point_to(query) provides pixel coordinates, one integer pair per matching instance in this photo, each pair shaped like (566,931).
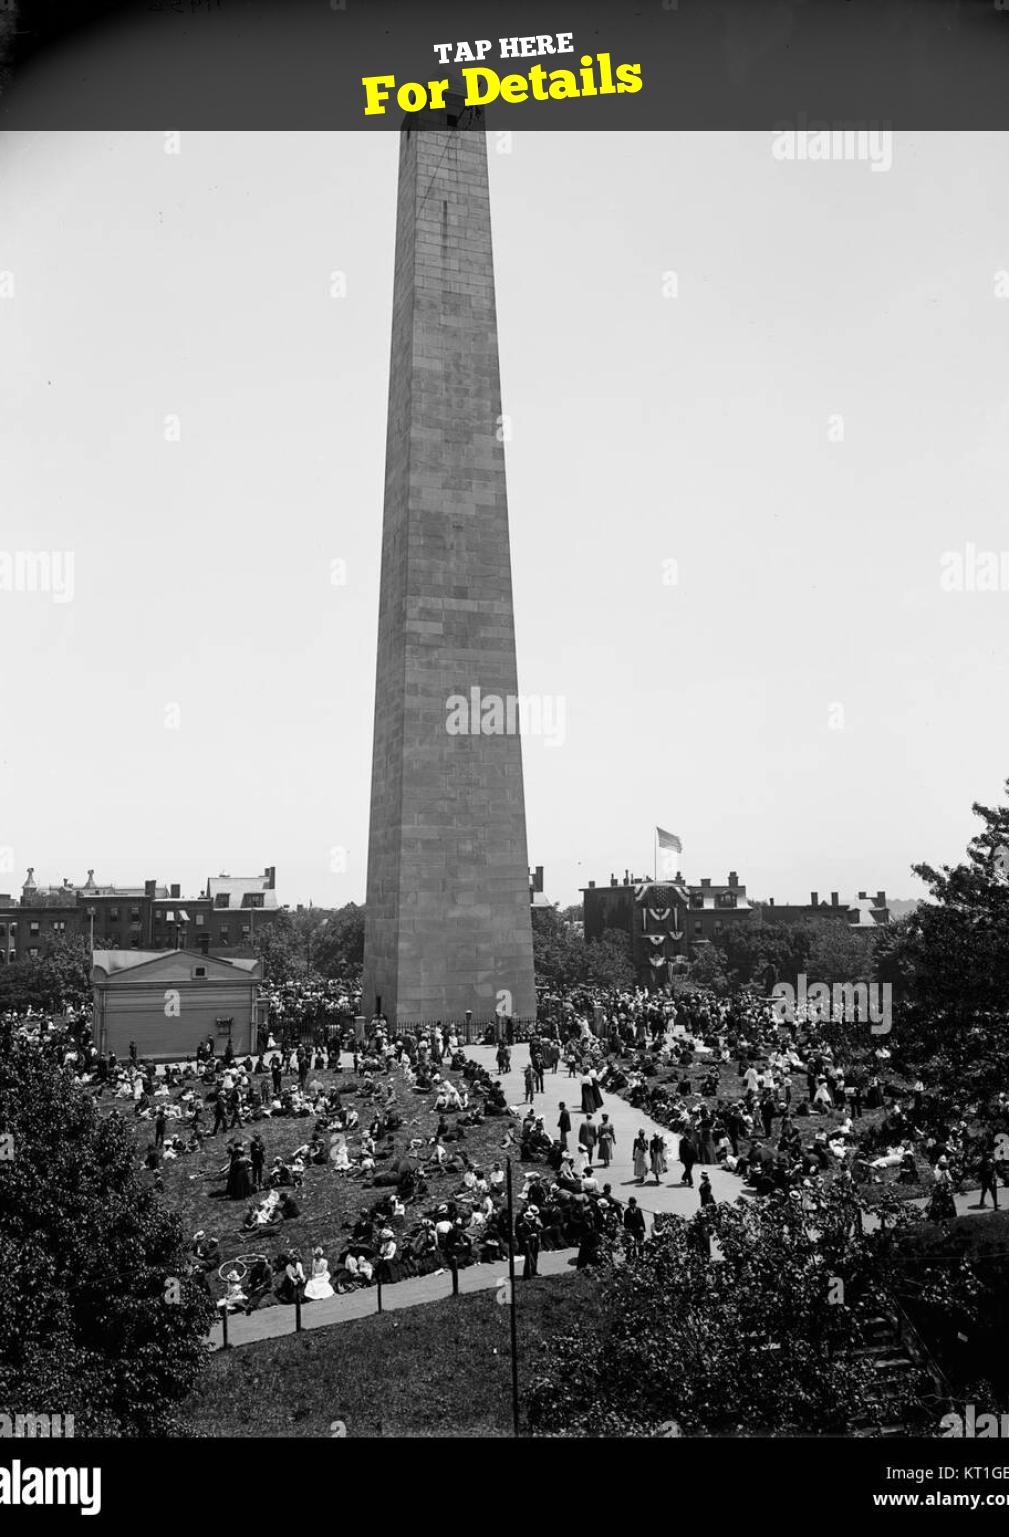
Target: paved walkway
(273,1322)
(669,1196)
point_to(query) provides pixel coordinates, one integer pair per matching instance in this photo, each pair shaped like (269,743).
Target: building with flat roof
(667,920)
(149,917)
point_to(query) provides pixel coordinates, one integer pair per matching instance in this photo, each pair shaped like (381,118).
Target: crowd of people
(800,1110)
(784,1104)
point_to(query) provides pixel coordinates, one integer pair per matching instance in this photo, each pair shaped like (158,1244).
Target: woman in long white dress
(319,1284)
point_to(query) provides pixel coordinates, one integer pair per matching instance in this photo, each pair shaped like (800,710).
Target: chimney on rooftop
(733,878)
(150,889)
(833,899)
(271,877)
(705,880)
(175,893)
(814,899)
(862,896)
(881,899)
(592,885)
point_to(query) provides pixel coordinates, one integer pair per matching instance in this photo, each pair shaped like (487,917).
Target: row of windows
(58,925)
(32,951)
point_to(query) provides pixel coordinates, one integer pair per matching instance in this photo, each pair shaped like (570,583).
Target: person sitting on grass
(234,1298)
(292,1280)
(359,1268)
(259,1283)
(206,1251)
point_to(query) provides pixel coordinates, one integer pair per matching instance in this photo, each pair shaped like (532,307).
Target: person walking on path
(587,1137)
(640,1154)
(688,1157)
(607,1141)
(657,1156)
(634,1227)
(564,1126)
(530,1083)
(986,1172)
(704,1191)
(536,1062)
(592,1099)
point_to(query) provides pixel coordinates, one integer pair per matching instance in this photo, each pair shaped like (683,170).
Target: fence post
(297,1309)
(224,1328)
(379,1296)
(453,1265)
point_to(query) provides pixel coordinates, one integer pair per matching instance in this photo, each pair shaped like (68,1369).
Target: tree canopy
(948,964)
(97,1316)
(762,1339)
(60,975)
(564,958)
(317,941)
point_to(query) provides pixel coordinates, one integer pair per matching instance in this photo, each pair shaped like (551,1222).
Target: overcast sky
(806,704)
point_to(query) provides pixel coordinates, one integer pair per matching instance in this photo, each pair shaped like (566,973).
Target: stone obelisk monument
(448,922)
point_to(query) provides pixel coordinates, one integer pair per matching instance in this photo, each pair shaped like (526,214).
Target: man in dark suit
(527,1230)
(634,1226)
(257,1157)
(688,1157)
(564,1126)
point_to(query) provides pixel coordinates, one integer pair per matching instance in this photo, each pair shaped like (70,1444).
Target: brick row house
(224,917)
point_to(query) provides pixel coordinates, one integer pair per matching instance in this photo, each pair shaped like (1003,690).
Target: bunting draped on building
(659,914)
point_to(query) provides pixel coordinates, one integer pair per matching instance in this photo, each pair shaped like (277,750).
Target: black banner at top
(573,64)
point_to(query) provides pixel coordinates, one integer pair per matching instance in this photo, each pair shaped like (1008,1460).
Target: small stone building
(168,1001)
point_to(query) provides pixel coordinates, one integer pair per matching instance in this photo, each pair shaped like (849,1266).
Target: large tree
(564,958)
(338,948)
(59,976)
(98,1318)
(839,952)
(948,965)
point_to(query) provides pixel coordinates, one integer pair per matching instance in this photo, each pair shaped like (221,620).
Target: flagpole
(655,854)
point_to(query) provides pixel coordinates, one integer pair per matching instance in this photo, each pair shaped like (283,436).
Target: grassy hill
(441,1369)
